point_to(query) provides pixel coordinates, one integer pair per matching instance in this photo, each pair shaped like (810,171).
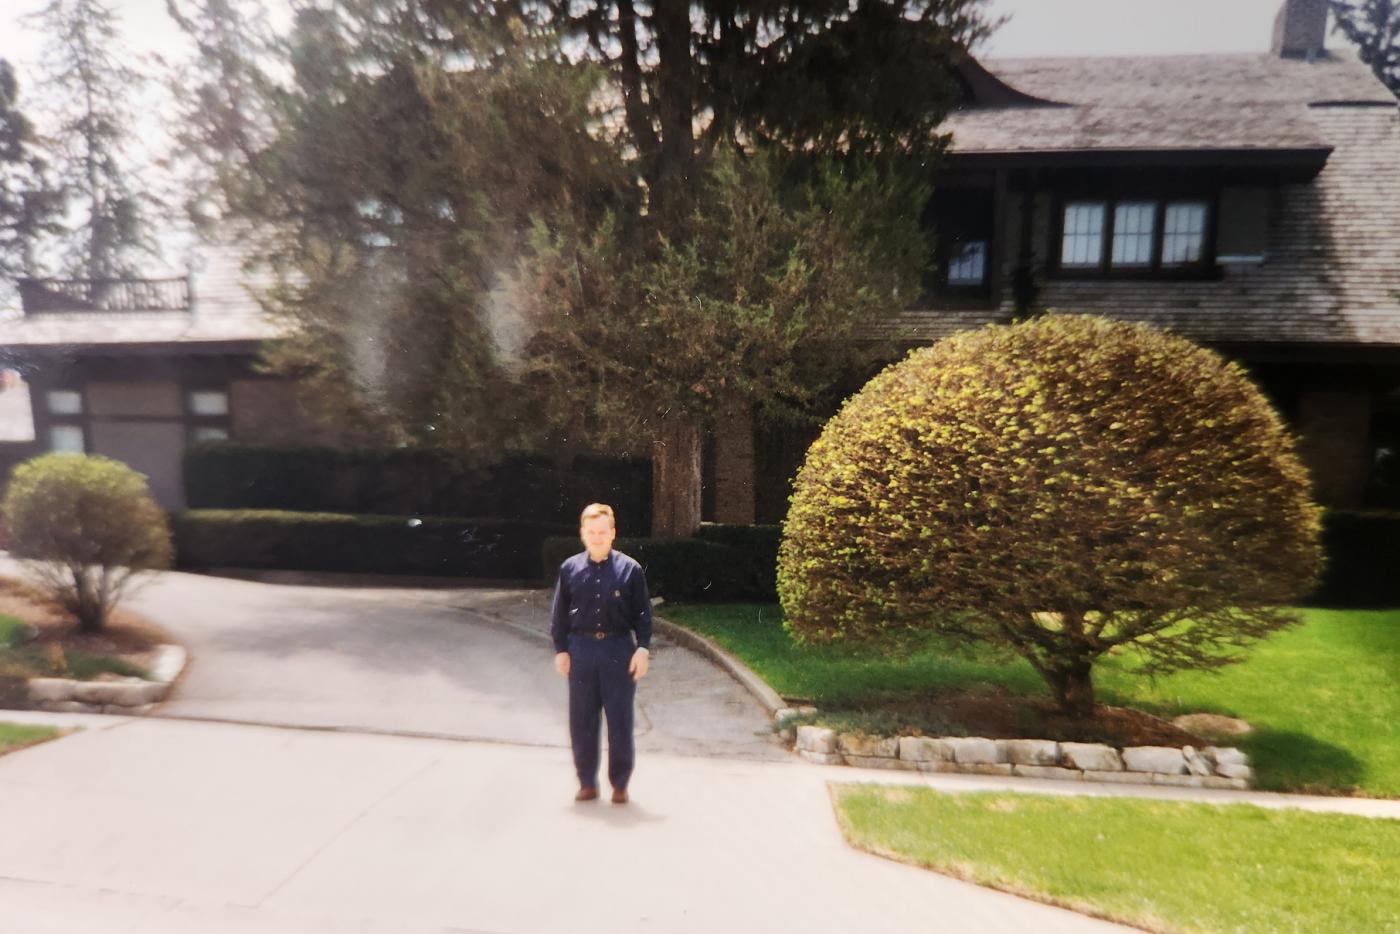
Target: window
(65,402)
(1185,233)
(967,264)
(1135,236)
(961,219)
(1083,238)
(1134,223)
(66,438)
(208,402)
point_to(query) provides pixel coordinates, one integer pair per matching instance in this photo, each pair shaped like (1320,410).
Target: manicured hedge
(412,481)
(723,563)
(1363,559)
(506,549)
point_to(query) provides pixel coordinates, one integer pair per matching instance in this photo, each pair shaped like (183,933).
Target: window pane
(1083,238)
(209,403)
(208,433)
(968,265)
(65,401)
(1134,223)
(67,438)
(1183,232)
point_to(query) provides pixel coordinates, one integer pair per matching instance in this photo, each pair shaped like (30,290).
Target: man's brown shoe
(619,796)
(586,794)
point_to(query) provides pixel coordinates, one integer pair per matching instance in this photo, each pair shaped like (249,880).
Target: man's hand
(561,664)
(638,669)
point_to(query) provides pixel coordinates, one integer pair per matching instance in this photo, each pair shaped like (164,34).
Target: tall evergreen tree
(30,203)
(1374,27)
(88,87)
(706,227)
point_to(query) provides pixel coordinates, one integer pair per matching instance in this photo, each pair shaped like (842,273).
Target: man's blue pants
(599,681)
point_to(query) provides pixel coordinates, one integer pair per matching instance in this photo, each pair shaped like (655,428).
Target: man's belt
(602,633)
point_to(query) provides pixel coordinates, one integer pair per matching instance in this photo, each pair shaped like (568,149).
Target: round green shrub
(1061,487)
(87,524)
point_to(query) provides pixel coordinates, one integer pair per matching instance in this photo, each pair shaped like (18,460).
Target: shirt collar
(597,564)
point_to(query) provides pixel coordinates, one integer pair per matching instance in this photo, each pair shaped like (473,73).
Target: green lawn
(18,735)
(1324,697)
(1165,866)
(12,630)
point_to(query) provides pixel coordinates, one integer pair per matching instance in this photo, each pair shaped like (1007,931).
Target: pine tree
(1374,27)
(88,88)
(30,203)
(594,180)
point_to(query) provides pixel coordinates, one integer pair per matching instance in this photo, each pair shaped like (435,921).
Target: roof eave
(1291,164)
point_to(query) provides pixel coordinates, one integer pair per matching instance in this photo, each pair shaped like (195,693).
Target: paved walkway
(463,663)
(166,827)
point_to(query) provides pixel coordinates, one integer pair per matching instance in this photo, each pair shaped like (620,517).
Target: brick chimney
(1300,29)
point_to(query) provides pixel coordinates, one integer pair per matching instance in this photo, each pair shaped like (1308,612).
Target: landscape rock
(1225,755)
(1032,752)
(924,749)
(1234,770)
(858,744)
(1165,759)
(984,768)
(1091,757)
(821,758)
(1047,771)
(976,750)
(818,739)
(1196,763)
(1131,778)
(880,762)
(43,690)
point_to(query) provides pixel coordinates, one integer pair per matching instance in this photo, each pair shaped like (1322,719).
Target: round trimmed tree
(86,525)
(1061,487)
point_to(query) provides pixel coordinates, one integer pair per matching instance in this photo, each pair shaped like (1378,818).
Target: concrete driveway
(159,826)
(467,663)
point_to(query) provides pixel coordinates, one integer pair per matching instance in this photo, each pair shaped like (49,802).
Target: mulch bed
(997,714)
(127,636)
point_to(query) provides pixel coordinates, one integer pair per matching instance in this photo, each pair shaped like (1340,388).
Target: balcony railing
(58,295)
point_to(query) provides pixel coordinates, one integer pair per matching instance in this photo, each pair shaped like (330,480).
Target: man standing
(600,602)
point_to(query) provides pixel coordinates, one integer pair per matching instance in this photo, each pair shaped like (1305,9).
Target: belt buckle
(600,635)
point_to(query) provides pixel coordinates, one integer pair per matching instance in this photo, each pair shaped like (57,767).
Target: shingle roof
(1166,102)
(225,309)
(1332,273)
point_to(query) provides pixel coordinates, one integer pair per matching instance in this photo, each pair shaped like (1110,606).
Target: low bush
(722,563)
(307,541)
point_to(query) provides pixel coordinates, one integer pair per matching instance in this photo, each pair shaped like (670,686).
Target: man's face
(598,534)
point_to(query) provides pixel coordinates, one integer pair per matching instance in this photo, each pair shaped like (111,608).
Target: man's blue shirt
(600,596)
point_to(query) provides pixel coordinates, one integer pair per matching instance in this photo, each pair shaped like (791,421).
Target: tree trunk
(675,479)
(1073,685)
(87,603)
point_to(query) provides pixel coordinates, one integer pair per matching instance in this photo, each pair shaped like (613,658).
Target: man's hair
(594,510)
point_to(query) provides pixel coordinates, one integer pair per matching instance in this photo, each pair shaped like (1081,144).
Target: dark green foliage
(1374,27)
(29,201)
(722,563)
(411,481)
(89,87)
(87,525)
(1363,553)
(1061,487)
(494,549)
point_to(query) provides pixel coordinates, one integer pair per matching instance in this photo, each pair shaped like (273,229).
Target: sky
(1036,27)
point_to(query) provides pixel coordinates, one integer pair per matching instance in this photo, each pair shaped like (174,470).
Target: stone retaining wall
(1208,767)
(129,696)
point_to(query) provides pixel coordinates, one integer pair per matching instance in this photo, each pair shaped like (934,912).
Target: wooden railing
(104,295)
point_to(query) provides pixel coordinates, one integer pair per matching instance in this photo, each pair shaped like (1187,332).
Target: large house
(139,369)
(1247,202)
